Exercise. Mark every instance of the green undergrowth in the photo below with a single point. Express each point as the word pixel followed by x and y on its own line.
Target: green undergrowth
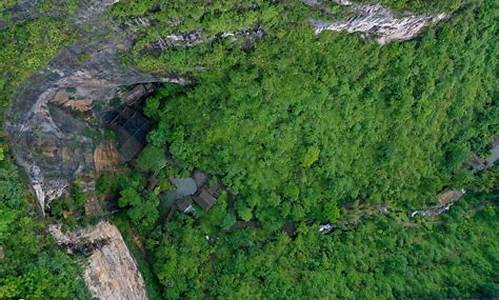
pixel 32 266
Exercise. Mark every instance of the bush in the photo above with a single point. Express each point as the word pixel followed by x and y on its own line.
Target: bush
pixel 151 159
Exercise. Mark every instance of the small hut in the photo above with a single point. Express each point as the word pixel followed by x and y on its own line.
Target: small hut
pixel 205 199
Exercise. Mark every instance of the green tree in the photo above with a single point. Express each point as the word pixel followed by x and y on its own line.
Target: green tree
pixel 151 159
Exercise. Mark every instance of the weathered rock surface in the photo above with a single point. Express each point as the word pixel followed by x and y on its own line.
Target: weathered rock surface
pixel 91 8
pixel 375 21
pixel 110 272
pixel 22 11
pixel 28 10
pixel 49 141
pixel 106 157
pixel 196 37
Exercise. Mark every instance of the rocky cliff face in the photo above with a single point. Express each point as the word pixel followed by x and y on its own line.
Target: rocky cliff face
pixel 110 272
pixel 49 137
pixel 375 21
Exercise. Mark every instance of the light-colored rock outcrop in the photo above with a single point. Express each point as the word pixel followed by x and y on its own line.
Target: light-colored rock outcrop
pixel 110 271
pixel 375 21
pixel 91 8
pixel 196 37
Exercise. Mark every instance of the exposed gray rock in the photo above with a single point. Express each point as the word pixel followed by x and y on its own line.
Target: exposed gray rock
pixel 89 9
pixel 25 11
pixel 22 11
pixel 138 23
pixel 52 144
pixel 432 211
pixel 187 39
pixel 342 2
pixel 110 271
pixel 194 38
pixel 376 21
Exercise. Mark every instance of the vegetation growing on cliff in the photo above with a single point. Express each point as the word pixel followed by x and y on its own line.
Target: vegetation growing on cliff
pixel 27 47
pixel 295 126
pixel 31 264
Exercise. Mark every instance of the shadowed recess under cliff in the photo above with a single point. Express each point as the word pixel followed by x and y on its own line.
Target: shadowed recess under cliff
pixel 49 137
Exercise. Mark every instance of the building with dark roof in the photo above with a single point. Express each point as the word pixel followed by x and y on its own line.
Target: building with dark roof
pixel 205 199
pixel 185 204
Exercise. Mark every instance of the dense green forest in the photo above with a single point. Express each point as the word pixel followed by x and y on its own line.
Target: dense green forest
pixel 31 265
pixel 381 259
pixel 297 127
